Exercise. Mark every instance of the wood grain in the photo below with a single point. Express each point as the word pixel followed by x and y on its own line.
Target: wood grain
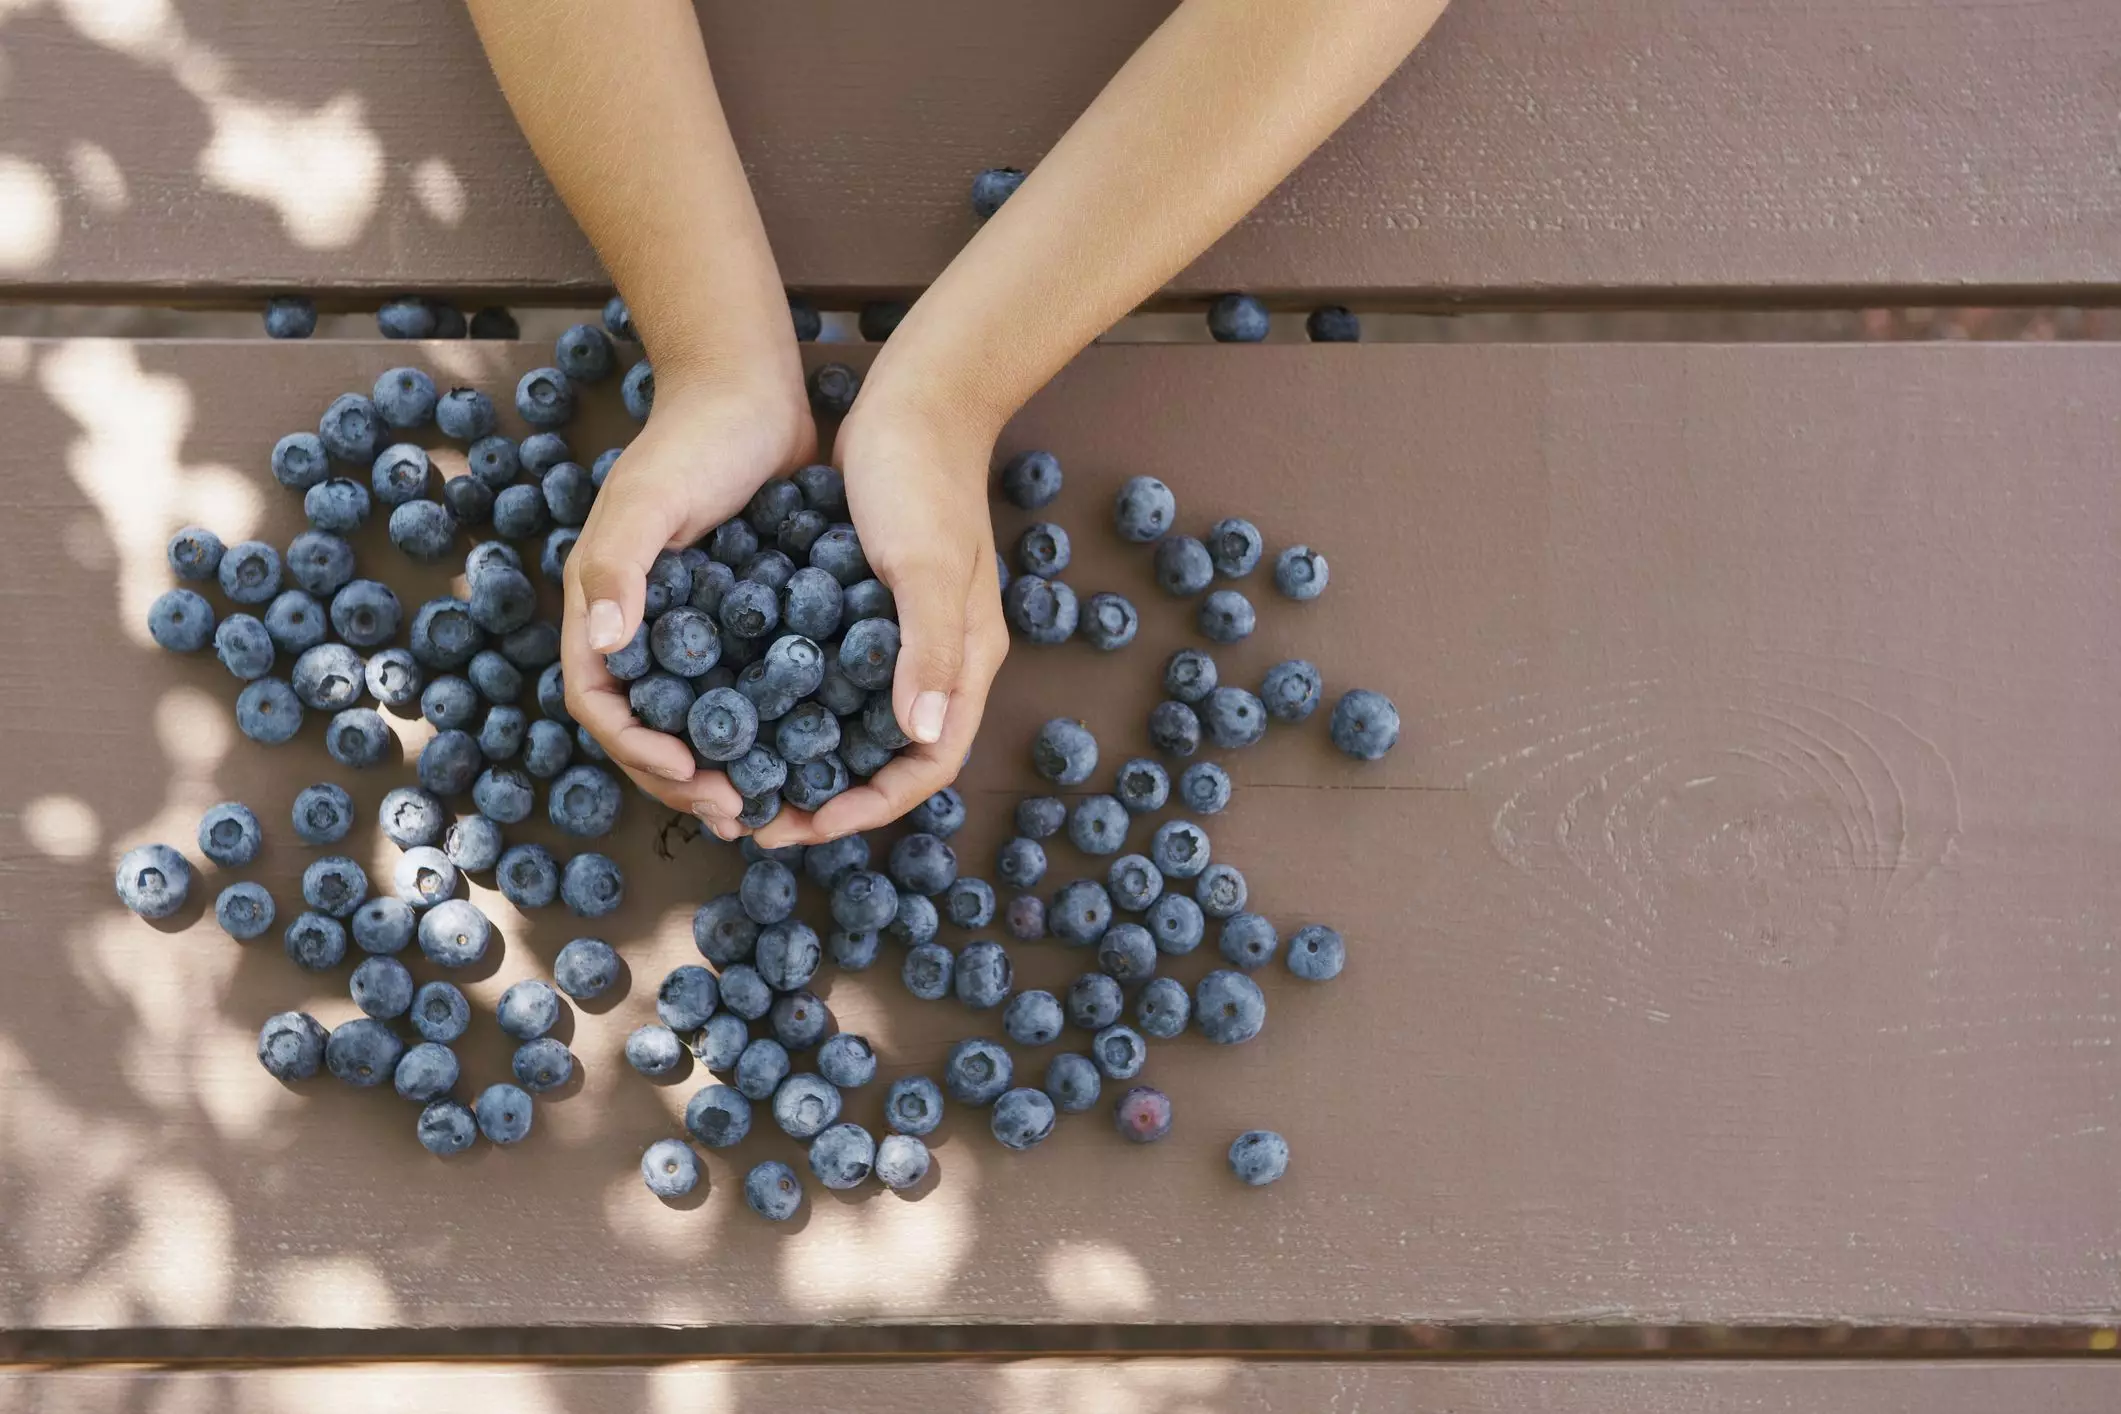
pixel 1732 932
pixel 1533 149
pixel 1105 1386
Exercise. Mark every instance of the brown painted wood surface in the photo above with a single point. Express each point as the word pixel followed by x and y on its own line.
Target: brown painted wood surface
pixel 1532 148
pixel 1733 932
pixel 1086 1387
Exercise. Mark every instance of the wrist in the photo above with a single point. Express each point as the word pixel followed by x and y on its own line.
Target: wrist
pixel 941 390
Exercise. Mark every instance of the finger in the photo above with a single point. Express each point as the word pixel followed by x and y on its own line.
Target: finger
pixel 607 571
pixel 599 703
pixel 707 797
pixel 791 826
pixel 931 596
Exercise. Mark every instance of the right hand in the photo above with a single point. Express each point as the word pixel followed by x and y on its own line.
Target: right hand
pixel 705 450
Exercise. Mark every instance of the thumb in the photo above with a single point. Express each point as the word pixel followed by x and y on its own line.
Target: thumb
pixel 610 562
pixel 931 608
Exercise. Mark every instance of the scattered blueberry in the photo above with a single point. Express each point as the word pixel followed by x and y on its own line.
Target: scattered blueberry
pixel 1064 752
pixel 927 971
pixel 842 1156
pixel 1248 941
pixel 993 186
pixel 426 1072
pixel 454 933
pixel 901 1161
pixel 1033 1018
pixel 1316 953
pixel 721 1042
pixel 181 621
pixel 687 998
pixel 1043 611
pixel 1072 1082
pixel 504 1114
pixel 983 975
pixel 832 389
pixel 1228 1007
pixel 1226 617
pixel 654 1050
pixel 1134 883
pixel 1098 825
pixel 1080 913
pixel 847 1061
pixel 1144 509
pixel 541 1065
pixel 314 942
pixel 528 1009
pixel 447 1128
pixel 669 1167
pixel 745 992
pixel 394 678
pixel 1176 922
pixel 799 1020
pixel 334 886
pixel 384 925
pixel 1365 725
pixel 363 1052
pixel 1174 729
pixel 1143 1114
pixel 1258 1157
pixel 1237 319
pixel 1042 549
pixel 718 1117
pixel 583 801
pixel 1025 917
pixel 804 1106
pixel 1236 546
pixel 1093 1001
pixel 1022 1118
pixel 242 645
pixel 915 922
pixel 1163 1008
pixel 1021 863
pixel 290 317
pixel 1233 717
pixel 1300 572
pixel 465 414
pixel 1183 566
pixel 350 429
pixel 773 1191
pixel 592 885
pixel 410 816
pixel 1220 890
pixel 299 461
pixel 337 506
pixel 1127 952
pixel 1109 622
pixel 383 988
pixel 440 1012
pixel 586 968
pixel 244 911
pixel 268 712
pixel 291 1046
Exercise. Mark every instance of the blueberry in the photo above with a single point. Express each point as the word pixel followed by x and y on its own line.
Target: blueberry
pixel 794 665
pixel 444 636
pixel 1163 1008
pixel 295 622
pixel 248 573
pixel 637 390
pixel 993 186
pixel 1183 565
pixel 722 724
pixel 842 1156
pixel 847 1061
pixel 268 712
pixel 1025 917
pixel 334 886
pixel 1365 724
pixel 1316 953
pixel 544 398
pixel 569 493
pixel 291 1046
pixel 329 677
pixel 1119 1052
pixel 465 414
pixel 1041 817
pixel 669 583
pixel 533 647
pixel 584 802
pixel 1233 717
pixel 804 316
pixel 721 1042
pixel 1333 324
pixel 799 1019
pixel 654 1050
pixel 195 553
pixel 407 317
pixel 314 942
pixel 1022 1118
pixel 1031 480
pixel 473 844
pixel 768 891
pixel 1143 786
pixel 350 429
pixel 1098 825
pixel 813 783
pixel 1127 951
pixel 592 886
pixel 504 1114
pixel 807 734
pixel 1033 1018
pixel 619 320
pixel 583 353
pixel 1180 849
pixel 759 771
pixel 182 621
pixel 867 599
pixel 299 461
pixel 541 452
pixel 632 661
pixel 439 1012
pixel 528 1009
pixel 449 702
pixel 770 702
pixel 669 1168
pixel 1174 729
pixel 1204 788
pixel 383 988
pixel 1109 622
pixel 829 863
pixel 1043 611
pixel 363 1052
pixel 229 834
pixel 687 998
pixel 1021 863
pixel 290 317
pixel 503 795
pixel 1072 1082
pixel 1093 1001
pixel 1177 922
pixel 915 922
pixel 495 461
pixel 552 695
pixel 710 581
pixel 864 900
pixel 411 817
pixel 732 543
pixel 492 322
pixel 1237 319
pixel 337 506
pixel 661 701
pixel 519 513
pixel 927 971
pixel 547 748
pixel 1143 1114
pixel 788 954
pixel 454 933
pixel 364 613
pixel 868 653
pixel 1042 549
pixel 425 1073
pixel 914 1105
pixel 1260 1156
pixel 1226 617
pixel 502 600
pixel 718 1116
pixel 1081 912
pixel 773 1191
pixel 319 562
pixel 1064 752
pixel 447 1128
pixel 832 389
pixel 1248 941
pixel 400 474
pixel 804 1106
pixel 450 762
pixel 723 931
pixel 772 504
pixel 500 735
pixel 1228 1007
pixel 244 911
pixel 586 968
pixel 852 951
pixel 901 1161
pixel 880 723
pixel 1144 509
pixel 394 678
pixel 745 992
pixel 542 1065
pixel 1134 882
pixel 983 975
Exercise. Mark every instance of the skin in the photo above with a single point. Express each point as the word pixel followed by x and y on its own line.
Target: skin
pixel 1220 103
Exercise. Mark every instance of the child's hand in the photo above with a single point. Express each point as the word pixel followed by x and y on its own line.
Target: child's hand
pixel 705 450
pixel 917 487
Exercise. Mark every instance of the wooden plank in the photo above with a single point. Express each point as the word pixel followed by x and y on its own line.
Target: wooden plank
pixel 1107 1386
pixel 1533 149
pixel 1732 934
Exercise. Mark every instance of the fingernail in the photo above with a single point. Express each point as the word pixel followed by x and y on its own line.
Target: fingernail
pixel 928 709
pixel 604 625
pixel 672 774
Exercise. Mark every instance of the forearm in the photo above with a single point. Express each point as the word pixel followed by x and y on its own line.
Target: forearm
pixel 1221 103
pixel 619 105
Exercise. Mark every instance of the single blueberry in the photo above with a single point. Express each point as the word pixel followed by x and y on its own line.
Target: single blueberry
pixel 569 493
pixel 771 505
pixel 1220 891
pixel 1233 717
pixel 1228 1007
pixel 1143 1114
pixel 1042 549
pixel 350 429
pixel 1080 913
pixel 745 992
pixel 337 506
pixel 773 1191
pixel 584 802
pixel 718 1117
pixel 1259 1156
pixel 669 582
pixel 654 1050
pixel 847 1061
pixel 869 652
pixel 915 922
pixel 669 1168
pixel 1033 1018
pixel 1134 882
pixel 504 1114
pixel 927 971
pixel 249 573
pixel 329 677
pixel 495 461
pixel 661 701
pixel 544 397
pixel 195 553
pixel 732 543
pixel 542 451
pixel 465 414
pixel 788 954
pixel 992 187
pixel 450 762
pixel 528 1009
pixel 863 900
pixel 501 734
pixel 291 1046
pixel 1031 480
pixel 552 695
pixel 843 1156
pixel 384 925
pixel 710 581
pixel 1300 572
pixel 454 933
pixel 1176 922
pixel 1226 617
pixel 425 1073
pixel 290 317
pixel 314 942
pixel 1174 729
pixel 1248 941
pixel 183 622
pixel 450 702
pixel 913 1105
pixel 503 794
pixel 722 1040
pixel 832 389
pixel 633 660
pixel 383 988
pixel 1022 1118
pixel 542 1065
pixel 1043 611
pixel 1204 788
pixel 867 599
pixel 1093 1001
pixel 440 1012
pixel 1180 849
pixel 1025 917
pixel 1098 825
pixel 547 748
pixel 229 834
pixel 722 724
pixel 394 678
pixel 268 712
pixel 1237 319
pixel 1127 951
pixel 400 474
pixel 804 316
pixel 519 513
pixel 319 562
pixel 502 600
pixel 880 722
pixel 410 816
pixel 1064 752
pixel 1020 863
pixel 473 843
pixel 444 636
pixel 1109 622
pixel 1144 509
pixel 1316 953
pixel 852 951
pixel 447 1128
pixel 364 613
pixel 723 931
pixel 363 1052
pixel 813 783
pixel 1163 1008
pixel 407 317
pixel 901 1161
pixel 804 1106
pixel 299 461
pixel 586 968
pixel 1365 725
pixel 533 647
pixel 1072 1082
pixel 1333 324
pixel 334 886
pixel 592 885
pixel 244 911
pixel 637 390
pixel 828 863
pixel 983 975
pixel 1142 786
pixel 619 320
pixel 1183 565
